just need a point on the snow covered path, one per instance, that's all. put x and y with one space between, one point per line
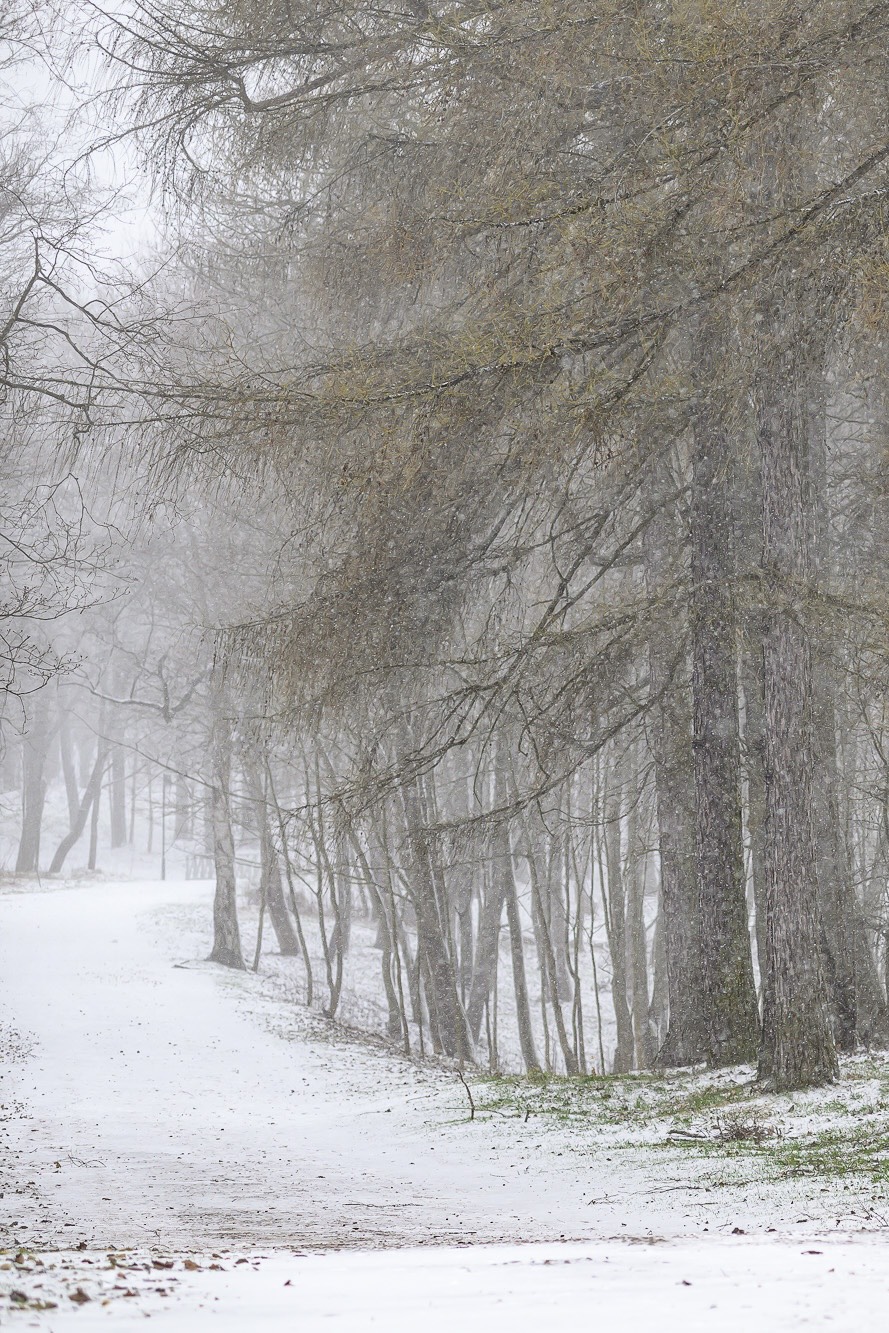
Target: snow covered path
162 1110
167 1108
164 1105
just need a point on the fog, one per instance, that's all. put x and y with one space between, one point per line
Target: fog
444 617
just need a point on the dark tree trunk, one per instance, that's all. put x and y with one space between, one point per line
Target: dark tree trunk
730 1005
520 984
858 1007
797 1044
503 873
615 922
272 883
487 942
669 738
637 948
546 955
754 755
288 943
450 1030
291 891
396 1025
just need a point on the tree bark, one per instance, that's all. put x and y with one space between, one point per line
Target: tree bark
858 1007
503 874
615 919
729 991
754 759
487 942
797 1044
451 1033
669 737
637 948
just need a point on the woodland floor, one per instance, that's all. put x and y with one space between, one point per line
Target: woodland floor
187 1143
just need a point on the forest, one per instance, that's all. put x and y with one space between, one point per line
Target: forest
444 504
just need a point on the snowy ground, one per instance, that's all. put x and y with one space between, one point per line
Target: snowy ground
182 1119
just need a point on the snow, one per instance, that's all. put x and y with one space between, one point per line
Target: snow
169 1108
684 1286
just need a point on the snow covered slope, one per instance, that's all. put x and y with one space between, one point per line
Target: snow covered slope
159 1108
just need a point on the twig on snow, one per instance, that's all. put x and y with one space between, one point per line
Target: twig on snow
468 1094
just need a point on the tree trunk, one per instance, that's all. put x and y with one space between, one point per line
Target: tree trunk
549 977
797 1044
859 1010
754 758
637 950
94 823
35 748
91 795
730 1006
226 931
118 792
669 738
69 770
291 892
487 943
615 919
503 871
451 1033
272 884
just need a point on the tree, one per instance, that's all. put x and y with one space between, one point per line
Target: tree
463 280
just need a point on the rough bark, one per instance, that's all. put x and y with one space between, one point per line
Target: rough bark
451 1035
615 924
729 991
858 1006
669 737
797 1043
754 759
